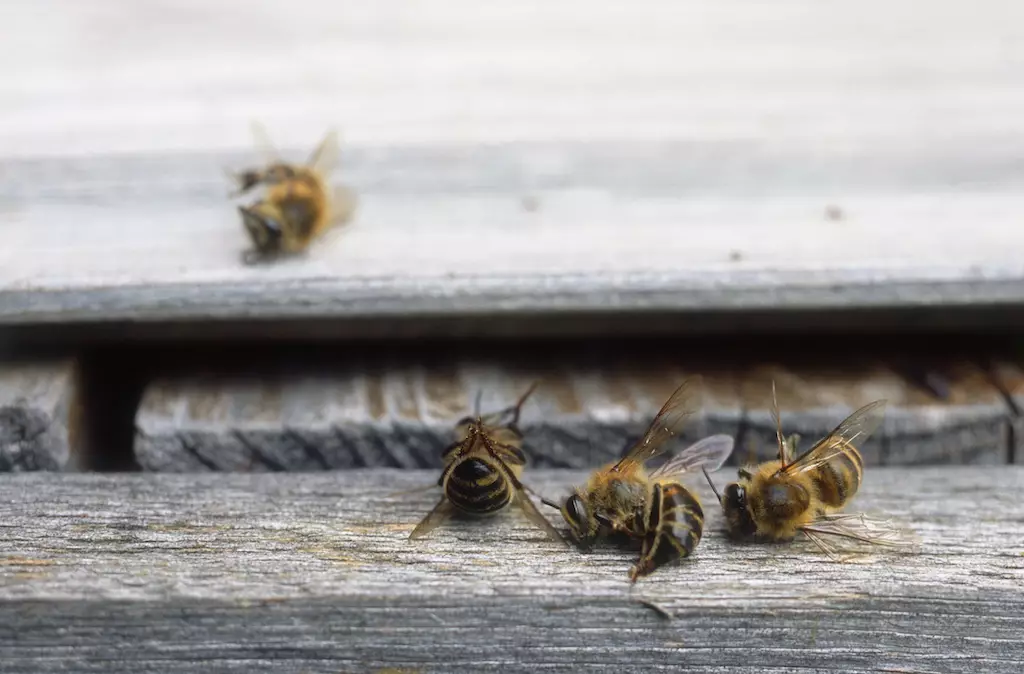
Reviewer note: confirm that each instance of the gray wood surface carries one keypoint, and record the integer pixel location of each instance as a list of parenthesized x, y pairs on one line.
[(37, 414), (314, 573), (596, 156), (400, 412)]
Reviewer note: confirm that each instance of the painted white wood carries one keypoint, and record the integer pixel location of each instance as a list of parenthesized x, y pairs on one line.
[(535, 156)]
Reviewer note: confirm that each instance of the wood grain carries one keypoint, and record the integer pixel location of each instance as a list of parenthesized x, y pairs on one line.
[(655, 156), (314, 573), (37, 414), (400, 412)]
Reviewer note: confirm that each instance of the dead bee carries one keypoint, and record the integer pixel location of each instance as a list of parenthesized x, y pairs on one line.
[(621, 498), (298, 204), (776, 500), (482, 471)]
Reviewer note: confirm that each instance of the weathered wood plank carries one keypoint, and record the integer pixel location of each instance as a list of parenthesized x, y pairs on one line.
[(617, 158), (591, 405), (38, 411), (300, 573)]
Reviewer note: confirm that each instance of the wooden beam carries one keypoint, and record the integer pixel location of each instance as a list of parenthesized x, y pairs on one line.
[(655, 159), (315, 572), (39, 414), (399, 412)]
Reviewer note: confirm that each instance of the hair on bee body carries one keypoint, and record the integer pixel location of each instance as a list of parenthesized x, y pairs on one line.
[(482, 471), (780, 499), (656, 509), (298, 204)]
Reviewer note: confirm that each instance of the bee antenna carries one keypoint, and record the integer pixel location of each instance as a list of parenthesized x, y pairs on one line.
[(713, 488), (522, 400), (550, 503)]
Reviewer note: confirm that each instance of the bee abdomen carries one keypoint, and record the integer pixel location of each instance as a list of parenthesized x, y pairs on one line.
[(839, 479), (682, 518), (477, 486)]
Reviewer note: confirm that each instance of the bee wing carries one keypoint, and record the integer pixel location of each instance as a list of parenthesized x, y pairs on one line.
[(535, 516), (441, 512), (343, 204), (680, 406), (708, 454), (325, 156), (527, 505), (263, 143), (783, 446), (853, 430), (847, 532)]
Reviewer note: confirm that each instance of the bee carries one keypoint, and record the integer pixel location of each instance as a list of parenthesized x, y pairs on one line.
[(777, 500), (620, 498), (482, 470), (298, 205)]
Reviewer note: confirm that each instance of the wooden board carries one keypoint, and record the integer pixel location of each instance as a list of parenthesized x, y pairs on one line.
[(38, 415), (399, 411), (650, 156), (314, 573)]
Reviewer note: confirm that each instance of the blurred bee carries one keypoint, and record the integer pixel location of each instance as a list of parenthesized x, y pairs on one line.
[(621, 498), (482, 471), (776, 500), (298, 205)]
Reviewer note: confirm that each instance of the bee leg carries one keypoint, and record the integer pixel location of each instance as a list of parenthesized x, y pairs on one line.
[(645, 564)]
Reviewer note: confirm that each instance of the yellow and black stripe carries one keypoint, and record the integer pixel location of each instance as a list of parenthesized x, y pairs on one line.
[(839, 479), (477, 483), (674, 525)]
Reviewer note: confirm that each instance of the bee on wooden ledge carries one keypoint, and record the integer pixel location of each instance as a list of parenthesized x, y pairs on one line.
[(298, 205), (656, 509), (778, 500), (482, 471)]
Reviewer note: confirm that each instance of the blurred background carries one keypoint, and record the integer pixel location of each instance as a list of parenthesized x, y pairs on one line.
[(607, 196)]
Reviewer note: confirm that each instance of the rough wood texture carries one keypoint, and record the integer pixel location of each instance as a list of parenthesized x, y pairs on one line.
[(37, 415), (314, 573), (401, 414), (598, 155)]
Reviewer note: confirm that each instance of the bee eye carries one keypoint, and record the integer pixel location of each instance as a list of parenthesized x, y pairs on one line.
[(736, 495), (575, 511)]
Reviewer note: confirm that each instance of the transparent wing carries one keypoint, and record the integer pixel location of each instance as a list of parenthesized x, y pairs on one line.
[(527, 505), (777, 418), (325, 156), (343, 205), (441, 512), (847, 533), (708, 454), (264, 145), (680, 406), (535, 516), (854, 430)]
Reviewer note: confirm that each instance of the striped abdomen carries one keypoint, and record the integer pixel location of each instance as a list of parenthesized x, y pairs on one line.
[(675, 523), (838, 479), (475, 482)]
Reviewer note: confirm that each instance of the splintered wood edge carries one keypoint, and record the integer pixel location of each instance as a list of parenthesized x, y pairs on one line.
[(243, 557), (403, 416), (39, 414)]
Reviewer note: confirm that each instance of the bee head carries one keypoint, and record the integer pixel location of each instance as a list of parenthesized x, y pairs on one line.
[(581, 521), (264, 224), (734, 505), (737, 511)]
